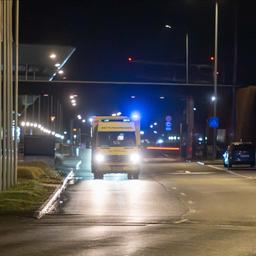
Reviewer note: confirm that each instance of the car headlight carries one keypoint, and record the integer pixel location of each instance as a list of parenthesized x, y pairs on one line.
[(135, 158), (99, 158)]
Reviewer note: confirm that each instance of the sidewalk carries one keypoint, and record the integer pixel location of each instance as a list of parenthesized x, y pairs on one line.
[(211, 162)]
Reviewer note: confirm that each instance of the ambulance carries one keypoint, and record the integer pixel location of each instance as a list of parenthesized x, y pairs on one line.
[(115, 146)]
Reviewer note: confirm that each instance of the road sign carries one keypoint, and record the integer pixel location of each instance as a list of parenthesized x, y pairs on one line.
[(168, 126), (213, 122), (168, 118)]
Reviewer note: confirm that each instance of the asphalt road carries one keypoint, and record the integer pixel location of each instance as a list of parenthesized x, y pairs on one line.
[(174, 209)]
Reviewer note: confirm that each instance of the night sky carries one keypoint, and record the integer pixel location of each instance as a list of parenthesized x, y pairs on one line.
[(105, 33)]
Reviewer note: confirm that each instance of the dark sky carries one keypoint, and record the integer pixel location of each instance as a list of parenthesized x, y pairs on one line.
[(105, 33)]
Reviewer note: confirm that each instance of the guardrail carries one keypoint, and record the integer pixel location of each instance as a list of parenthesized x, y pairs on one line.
[(49, 204)]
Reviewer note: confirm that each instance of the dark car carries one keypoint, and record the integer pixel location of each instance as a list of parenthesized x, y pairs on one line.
[(239, 153)]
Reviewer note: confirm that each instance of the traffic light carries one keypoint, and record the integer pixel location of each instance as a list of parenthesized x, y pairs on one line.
[(130, 58)]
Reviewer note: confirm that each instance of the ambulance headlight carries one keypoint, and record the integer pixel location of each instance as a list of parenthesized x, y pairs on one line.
[(99, 158), (135, 158)]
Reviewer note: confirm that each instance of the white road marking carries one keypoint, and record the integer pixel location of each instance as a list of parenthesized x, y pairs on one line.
[(201, 163), (180, 221), (174, 188), (190, 202), (230, 172), (183, 194), (190, 173)]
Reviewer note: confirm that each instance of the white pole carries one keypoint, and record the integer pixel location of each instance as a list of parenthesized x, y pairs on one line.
[(215, 76), (187, 58), (4, 98), (16, 90)]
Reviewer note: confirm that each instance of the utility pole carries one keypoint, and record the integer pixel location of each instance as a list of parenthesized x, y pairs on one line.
[(215, 77), (234, 75), (187, 58), (8, 95)]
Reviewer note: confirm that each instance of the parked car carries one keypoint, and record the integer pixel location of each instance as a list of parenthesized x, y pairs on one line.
[(239, 153)]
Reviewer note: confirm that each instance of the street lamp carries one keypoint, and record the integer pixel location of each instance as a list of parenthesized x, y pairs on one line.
[(213, 98), (187, 52), (215, 75), (53, 56)]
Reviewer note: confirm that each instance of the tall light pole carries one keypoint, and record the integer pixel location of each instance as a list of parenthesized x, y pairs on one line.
[(187, 52), (234, 75), (187, 48), (215, 76)]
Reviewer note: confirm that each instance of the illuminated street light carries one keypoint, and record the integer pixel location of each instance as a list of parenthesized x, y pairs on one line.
[(72, 97), (213, 98), (162, 97), (73, 104), (79, 117), (73, 101), (133, 97), (90, 119), (194, 109), (155, 124), (114, 114), (57, 65), (118, 113), (167, 26), (61, 72), (53, 56), (151, 126), (83, 121), (160, 141)]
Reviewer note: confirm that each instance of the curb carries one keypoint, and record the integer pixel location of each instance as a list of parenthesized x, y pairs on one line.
[(209, 163), (47, 206)]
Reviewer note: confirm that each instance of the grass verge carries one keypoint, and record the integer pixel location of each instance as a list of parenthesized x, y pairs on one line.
[(36, 182)]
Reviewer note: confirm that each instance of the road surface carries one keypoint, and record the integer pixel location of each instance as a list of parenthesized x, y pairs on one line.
[(174, 209)]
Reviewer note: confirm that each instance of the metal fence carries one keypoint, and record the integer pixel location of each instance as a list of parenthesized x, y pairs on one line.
[(8, 92)]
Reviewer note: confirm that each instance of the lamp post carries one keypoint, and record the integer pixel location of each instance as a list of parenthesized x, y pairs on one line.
[(187, 53), (187, 81), (215, 76)]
